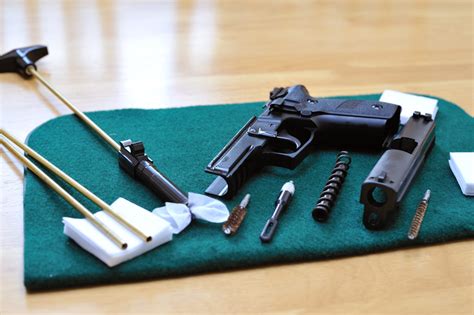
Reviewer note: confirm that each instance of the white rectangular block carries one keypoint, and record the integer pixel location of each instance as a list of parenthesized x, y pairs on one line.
[(462, 166), (95, 242), (410, 103)]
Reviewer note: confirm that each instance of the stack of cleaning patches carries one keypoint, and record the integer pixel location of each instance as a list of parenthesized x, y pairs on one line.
[(92, 240), (462, 166)]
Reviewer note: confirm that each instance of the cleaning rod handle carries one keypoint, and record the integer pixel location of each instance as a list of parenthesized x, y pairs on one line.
[(20, 59)]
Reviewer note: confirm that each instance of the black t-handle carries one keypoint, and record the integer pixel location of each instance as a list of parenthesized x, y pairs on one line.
[(19, 59)]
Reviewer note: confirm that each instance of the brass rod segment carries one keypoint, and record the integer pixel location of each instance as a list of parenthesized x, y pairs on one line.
[(70, 199), (31, 70), (90, 195)]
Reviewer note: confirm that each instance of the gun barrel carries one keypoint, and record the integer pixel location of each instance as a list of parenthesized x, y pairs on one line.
[(136, 163)]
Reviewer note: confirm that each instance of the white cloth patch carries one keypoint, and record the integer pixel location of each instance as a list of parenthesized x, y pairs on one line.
[(462, 166), (95, 242), (176, 214), (410, 103), (200, 206)]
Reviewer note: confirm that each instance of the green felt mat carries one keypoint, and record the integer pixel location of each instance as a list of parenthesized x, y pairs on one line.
[(182, 141)]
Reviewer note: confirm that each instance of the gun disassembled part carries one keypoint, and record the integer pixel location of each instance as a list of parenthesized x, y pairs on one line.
[(333, 185), (419, 215), (284, 198), (393, 174), (132, 157), (236, 217), (291, 124)]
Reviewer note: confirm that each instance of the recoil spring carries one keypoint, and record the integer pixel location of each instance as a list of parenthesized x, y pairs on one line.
[(333, 186)]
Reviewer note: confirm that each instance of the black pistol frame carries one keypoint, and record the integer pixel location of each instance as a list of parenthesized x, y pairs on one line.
[(291, 124)]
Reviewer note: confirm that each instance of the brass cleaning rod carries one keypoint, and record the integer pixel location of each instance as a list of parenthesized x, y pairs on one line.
[(70, 199), (90, 195), (31, 70)]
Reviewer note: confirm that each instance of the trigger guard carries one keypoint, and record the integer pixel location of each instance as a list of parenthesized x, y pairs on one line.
[(289, 160)]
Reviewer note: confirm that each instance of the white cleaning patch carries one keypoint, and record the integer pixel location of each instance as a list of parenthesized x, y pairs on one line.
[(95, 242), (410, 103), (200, 206), (462, 165)]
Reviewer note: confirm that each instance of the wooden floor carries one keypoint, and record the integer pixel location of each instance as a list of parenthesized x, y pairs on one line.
[(116, 54)]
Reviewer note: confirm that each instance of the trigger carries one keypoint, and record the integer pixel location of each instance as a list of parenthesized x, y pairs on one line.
[(282, 138), (287, 137)]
